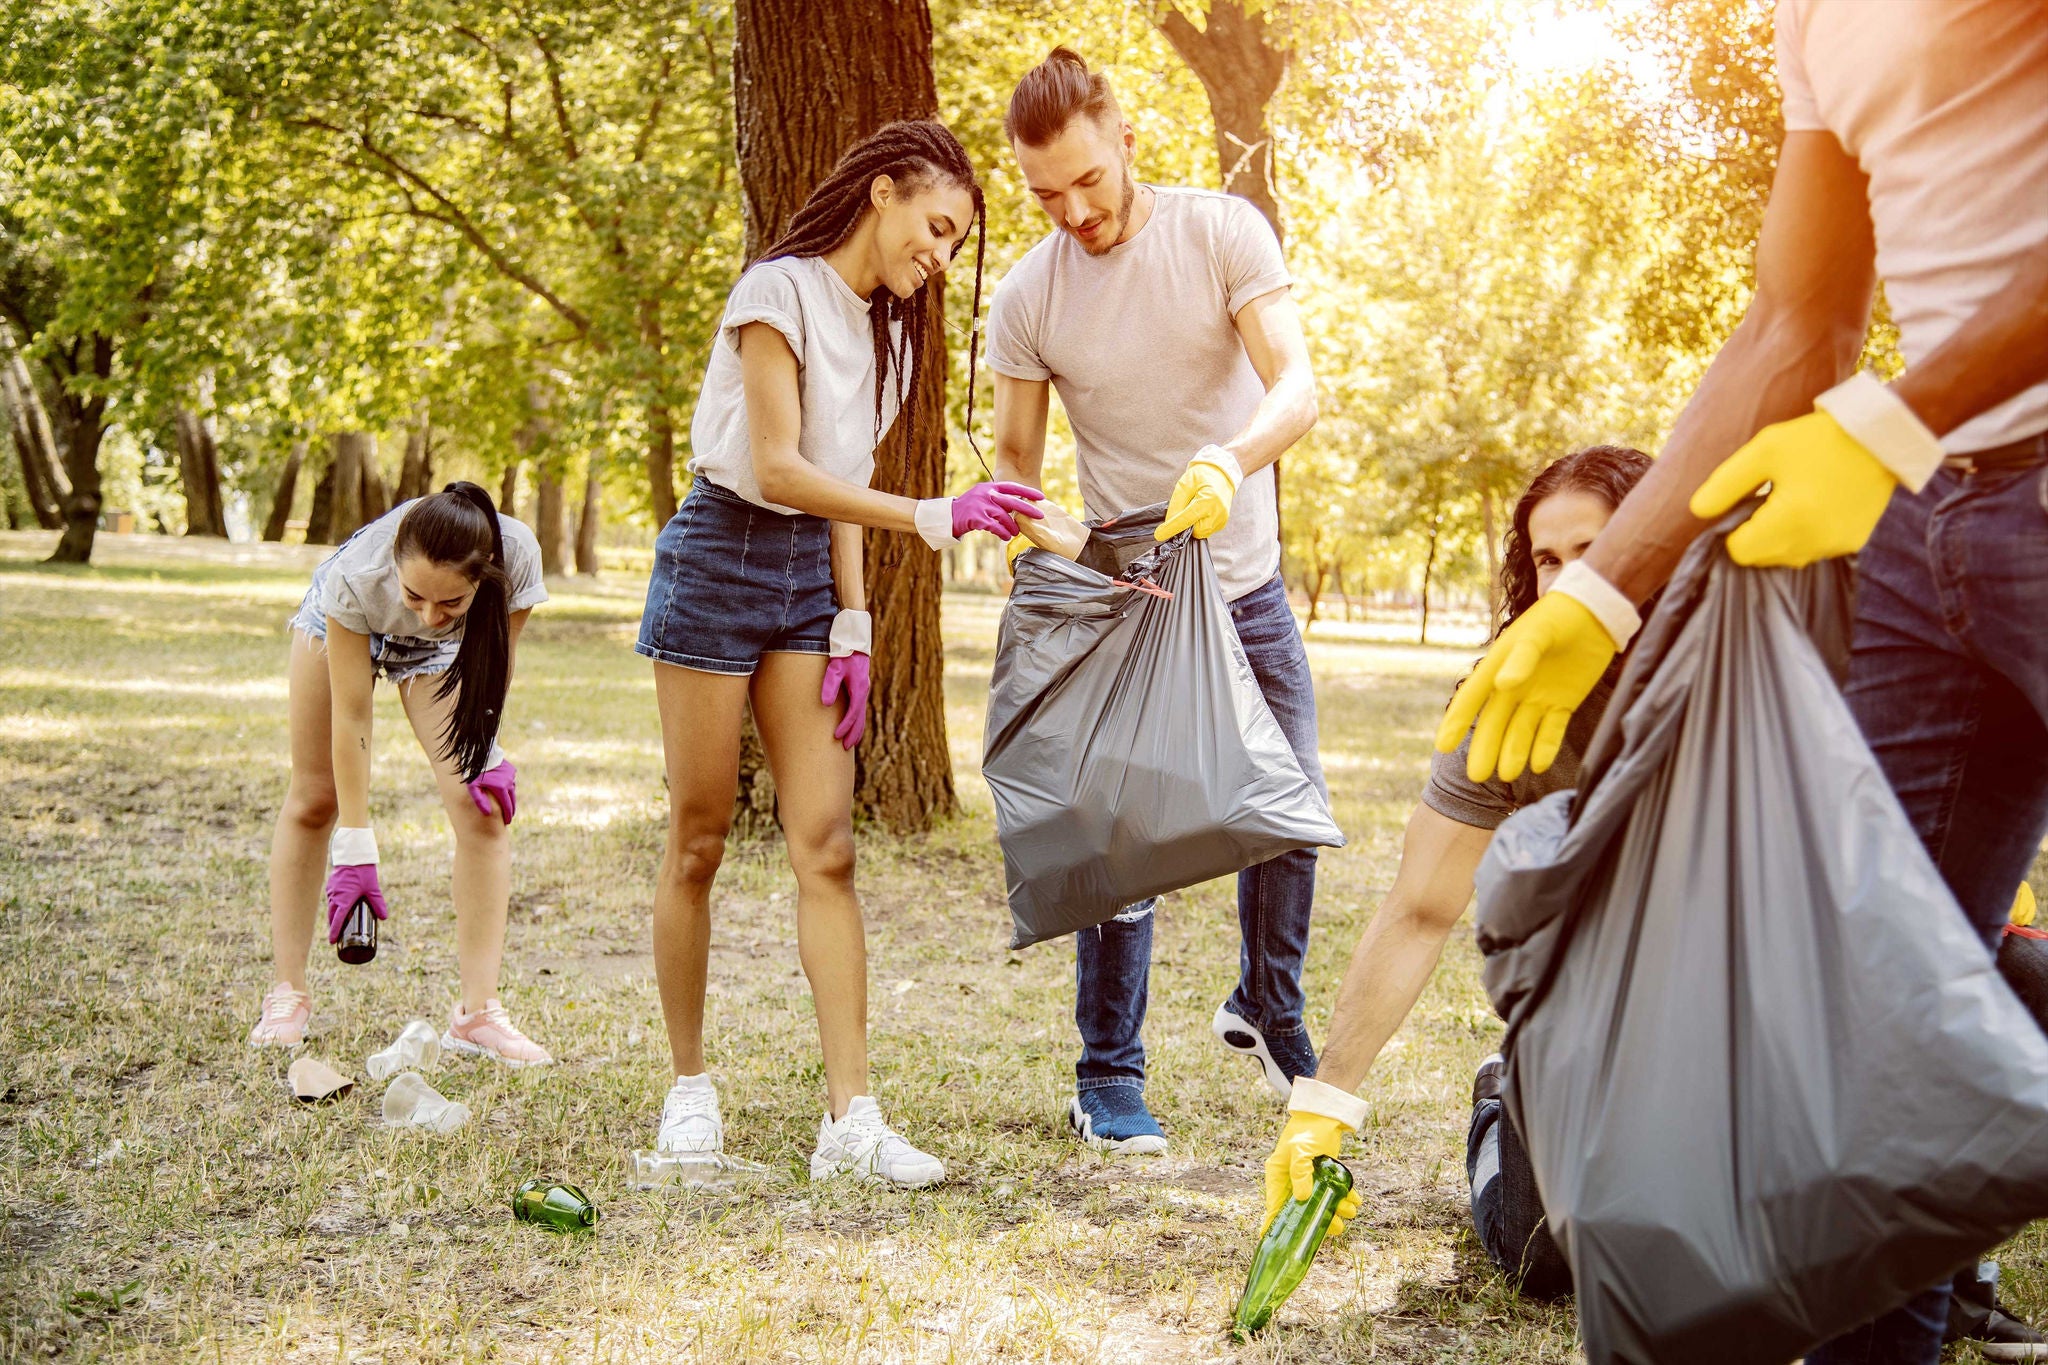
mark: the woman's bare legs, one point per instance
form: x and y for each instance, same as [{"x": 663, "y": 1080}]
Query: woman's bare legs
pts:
[
  {"x": 814, "y": 792},
  {"x": 700, "y": 743},
  {"x": 298, "y": 845}
]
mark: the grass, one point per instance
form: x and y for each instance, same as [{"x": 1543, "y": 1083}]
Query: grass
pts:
[{"x": 165, "y": 1198}]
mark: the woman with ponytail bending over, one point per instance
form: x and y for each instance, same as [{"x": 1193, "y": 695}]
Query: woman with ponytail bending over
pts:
[
  {"x": 758, "y": 597},
  {"x": 431, "y": 597}
]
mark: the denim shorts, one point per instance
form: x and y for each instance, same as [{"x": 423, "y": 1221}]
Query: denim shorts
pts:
[
  {"x": 733, "y": 581},
  {"x": 398, "y": 658}
]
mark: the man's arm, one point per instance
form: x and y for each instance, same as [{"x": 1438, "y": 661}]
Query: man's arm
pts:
[
  {"x": 2000, "y": 351},
  {"x": 1270, "y": 328},
  {"x": 1022, "y": 407},
  {"x": 1800, "y": 336}
]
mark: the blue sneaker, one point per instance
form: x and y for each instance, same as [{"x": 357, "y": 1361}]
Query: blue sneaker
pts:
[
  {"x": 1281, "y": 1057},
  {"x": 1113, "y": 1118}
]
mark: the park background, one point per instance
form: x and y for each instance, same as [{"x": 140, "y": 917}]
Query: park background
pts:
[{"x": 266, "y": 269}]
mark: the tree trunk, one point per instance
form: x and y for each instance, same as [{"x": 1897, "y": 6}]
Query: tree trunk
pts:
[
  {"x": 1312, "y": 582},
  {"x": 287, "y": 489},
  {"x": 1428, "y": 568},
  {"x": 508, "y": 491},
  {"x": 376, "y": 497},
  {"x": 42, "y": 474},
  {"x": 587, "y": 524},
  {"x": 549, "y": 523},
  {"x": 346, "y": 509},
  {"x": 799, "y": 104},
  {"x": 416, "y": 476},
  {"x": 1240, "y": 60},
  {"x": 84, "y": 420},
  {"x": 1343, "y": 593},
  {"x": 199, "y": 471},
  {"x": 320, "y": 520},
  {"x": 661, "y": 463}
]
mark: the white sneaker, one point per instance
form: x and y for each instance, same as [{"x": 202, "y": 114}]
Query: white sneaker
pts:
[
  {"x": 690, "y": 1125},
  {"x": 862, "y": 1145}
]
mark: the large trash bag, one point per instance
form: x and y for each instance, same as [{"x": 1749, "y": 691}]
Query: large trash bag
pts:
[
  {"x": 1128, "y": 746},
  {"x": 1770, "y": 1080}
]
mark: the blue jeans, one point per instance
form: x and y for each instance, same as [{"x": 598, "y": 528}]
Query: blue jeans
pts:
[
  {"x": 1113, "y": 961},
  {"x": 1949, "y": 681}
]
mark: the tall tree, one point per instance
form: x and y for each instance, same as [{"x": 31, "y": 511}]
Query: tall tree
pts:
[
  {"x": 287, "y": 488},
  {"x": 1241, "y": 58},
  {"x": 199, "y": 471},
  {"x": 876, "y": 60}
]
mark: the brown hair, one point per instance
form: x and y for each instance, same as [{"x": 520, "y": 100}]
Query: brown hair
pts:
[
  {"x": 1607, "y": 472},
  {"x": 914, "y": 153},
  {"x": 458, "y": 529},
  {"x": 1053, "y": 94}
]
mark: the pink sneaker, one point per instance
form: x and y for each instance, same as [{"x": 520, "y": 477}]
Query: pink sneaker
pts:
[
  {"x": 285, "y": 1014},
  {"x": 489, "y": 1033}
]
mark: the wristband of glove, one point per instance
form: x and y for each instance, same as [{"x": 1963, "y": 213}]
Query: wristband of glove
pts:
[
  {"x": 1610, "y": 606},
  {"x": 1879, "y": 420},
  {"x": 353, "y": 848},
  {"x": 934, "y": 518},
  {"x": 1311, "y": 1096},
  {"x": 1216, "y": 457},
  {"x": 853, "y": 632}
]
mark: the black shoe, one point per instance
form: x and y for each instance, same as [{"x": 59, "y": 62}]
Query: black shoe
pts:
[
  {"x": 1486, "y": 1085},
  {"x": 2006, "y": 1338}
]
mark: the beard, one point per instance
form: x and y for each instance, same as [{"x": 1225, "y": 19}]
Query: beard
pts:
[{"x": 1105, "y": 242}]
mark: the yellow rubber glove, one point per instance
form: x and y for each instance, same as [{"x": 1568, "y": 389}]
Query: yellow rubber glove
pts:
[
  {"x": 1310, "y": 1133},
  {"x": 1017, "y": 546},
  {"x": 1827, "y": 493},
  {"x": 2023, "y": 908},
  {"x": 1201, "y": 497},
  {"x": 1529, "y": 684}
]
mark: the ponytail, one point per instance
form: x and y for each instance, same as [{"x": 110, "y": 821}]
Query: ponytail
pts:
[{"x": 458, "y": 527}]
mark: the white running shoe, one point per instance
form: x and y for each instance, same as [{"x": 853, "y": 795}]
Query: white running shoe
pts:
[
  {"x": 690, "y": 1125},
  {"x": 862, "y": 1145}
]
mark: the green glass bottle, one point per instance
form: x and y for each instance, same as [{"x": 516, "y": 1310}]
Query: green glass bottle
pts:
[
  {"x": 553, "y": 1204},
  {"x": 1289, "y": 1246}
]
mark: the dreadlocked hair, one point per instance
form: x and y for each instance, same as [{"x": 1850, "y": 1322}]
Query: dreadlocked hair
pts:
[
  {"x": 914, "y": 153},
  {"x": 458, "y": 529}
]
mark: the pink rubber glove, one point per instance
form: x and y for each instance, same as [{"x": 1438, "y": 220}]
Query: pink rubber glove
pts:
[
  {"x": 849, "y": 674},
  {"x": 346, "y": 886},
  {"x": 497, "y": 784},
  {"x": 995, "y": 507}
]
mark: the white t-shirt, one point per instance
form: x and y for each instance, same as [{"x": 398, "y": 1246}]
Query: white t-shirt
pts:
[
  {"x": 360, "y": 589},
  {"x": 828, "y": 327},
  {"x": 1142, "y": 344},
  {"x": 1944, "y": 104}
]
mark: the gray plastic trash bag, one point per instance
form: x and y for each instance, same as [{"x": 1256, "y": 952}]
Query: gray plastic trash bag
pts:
[
  {"x": 1768, "y": 1076},
  {"x": 1128, "y": 747}
]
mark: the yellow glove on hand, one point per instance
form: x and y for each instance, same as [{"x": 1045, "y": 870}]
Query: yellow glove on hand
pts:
[
  {"x": 1201, "y": 497},
  {"x": 1290, "y": 1171},
  {"x": 1530, "y": 682},
  {"x": 1831, "y": 473},
  {"x": 1017, "y": 546},
  {"x": 2022, "y": 912},
  {"x": 1827, "y": 493}
]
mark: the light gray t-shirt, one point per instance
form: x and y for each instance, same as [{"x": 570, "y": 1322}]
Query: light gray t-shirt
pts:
[
  {"x": 1141, "y": 344},
  {"x": 1486, "y": 805},
  {"x": 360, "y": 587},
  {"x": 828, "y": 327}
]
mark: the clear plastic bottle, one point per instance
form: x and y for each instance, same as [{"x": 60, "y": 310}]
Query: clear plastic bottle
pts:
[
  {"x": 1289, "y": 1246},
  {"x": 688, "y": 1170},
  {"x": 416, "y": 1048},
  {"x": 1059, "y": 530},
  {"x": 409, "y": 1102}
]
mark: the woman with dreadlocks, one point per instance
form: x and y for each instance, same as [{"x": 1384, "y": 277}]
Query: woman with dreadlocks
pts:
[{"x": 758, "y": 598}]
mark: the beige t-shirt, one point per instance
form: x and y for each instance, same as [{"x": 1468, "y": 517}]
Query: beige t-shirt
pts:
[
  {"x": 1944, "y": 104},
  {"x": 829, "y": 328},
  {"x": 1141, "y": 344}
]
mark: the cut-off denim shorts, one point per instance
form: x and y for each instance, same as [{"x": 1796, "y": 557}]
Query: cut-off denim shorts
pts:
[
  {"x": 396, "y": 658},
  {"x": 733, "y": 581}
]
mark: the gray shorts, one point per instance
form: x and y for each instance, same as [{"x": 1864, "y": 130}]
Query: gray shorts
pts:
[{"x": 398, "y": 658}]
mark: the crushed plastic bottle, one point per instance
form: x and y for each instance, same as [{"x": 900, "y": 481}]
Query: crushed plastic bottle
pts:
[
  {"x": 552, "y": 1204},
  {"x": 409, "y": 1102},
  {"x": 1289, "y": 1246},
  {"x": 1059, "y": 530},
  {"x": 417, "y": 1048},
  {"x": 687, "y": 1170}
]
